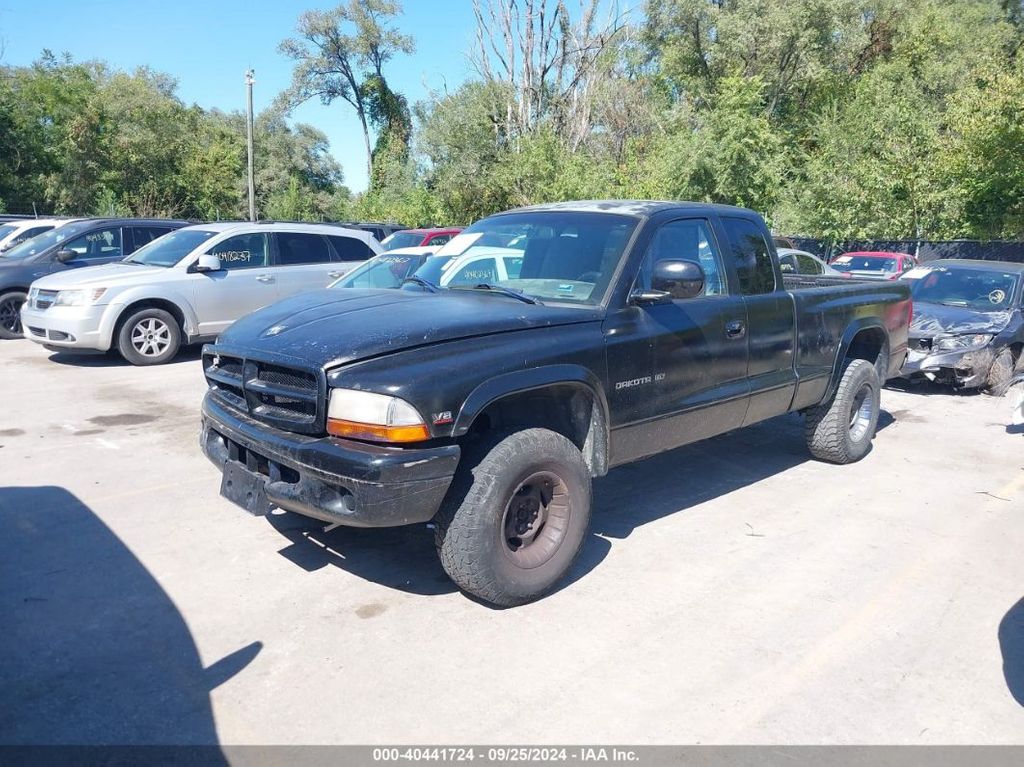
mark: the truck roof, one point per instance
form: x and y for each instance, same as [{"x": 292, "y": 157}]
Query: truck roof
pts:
[{"x": 633, "y": 207}]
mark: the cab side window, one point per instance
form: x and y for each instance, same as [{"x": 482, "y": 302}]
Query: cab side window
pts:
[
  {"x": 97, "y": 245},
  {"x": 243, "y": 251},
  {"x": 686, "y": 240},
  {"x": 751, "y": 255}
]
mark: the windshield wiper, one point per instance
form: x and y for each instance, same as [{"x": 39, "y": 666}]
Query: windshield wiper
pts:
[
  {"x": 422, "y": 283},
  {"x": 497, "y": 289}
]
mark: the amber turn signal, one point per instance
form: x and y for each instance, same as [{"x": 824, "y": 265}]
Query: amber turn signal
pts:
[{"x": 376, "y": 432}]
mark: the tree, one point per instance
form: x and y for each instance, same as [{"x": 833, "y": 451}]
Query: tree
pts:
[
  {"x": 332, "y": 63},
  {"x": 546, "y": 60}
]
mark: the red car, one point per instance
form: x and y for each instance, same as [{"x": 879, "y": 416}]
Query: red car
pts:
[
  {"x": 878, "y": 264},
  {"x": 416, "y": 238}
]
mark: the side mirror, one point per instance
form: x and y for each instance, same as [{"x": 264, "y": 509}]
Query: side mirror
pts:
[
  {"x": 679, "y": 279},
  {"x": 208, "y": 263},
  {"x": 65, "y": 255}
]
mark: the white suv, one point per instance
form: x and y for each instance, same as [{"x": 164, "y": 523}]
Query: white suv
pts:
[{"x": 187, "y": 286}]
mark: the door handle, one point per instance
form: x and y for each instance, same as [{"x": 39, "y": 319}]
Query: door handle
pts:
[
  {"x": 334, "y": 275},
  {"x": 735, "y": 329},
  {"x": 264, "y": 278}
]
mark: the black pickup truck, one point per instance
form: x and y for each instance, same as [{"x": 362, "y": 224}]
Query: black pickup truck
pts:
[{"x": 561, "y": 341}]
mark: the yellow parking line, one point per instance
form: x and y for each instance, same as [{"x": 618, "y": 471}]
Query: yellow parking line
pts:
[{"x": 1012, "y": 487}]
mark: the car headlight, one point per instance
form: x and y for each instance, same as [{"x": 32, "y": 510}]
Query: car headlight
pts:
[
  {"x": 78, "y": 297},
  {"x": 377, "y": 417},
  {"x": 954, "y": 343}
]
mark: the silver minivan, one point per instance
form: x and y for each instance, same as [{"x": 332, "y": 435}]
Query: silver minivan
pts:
[{"x": 187, "y": 286}]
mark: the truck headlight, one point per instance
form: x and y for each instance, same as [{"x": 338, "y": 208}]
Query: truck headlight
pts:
[
  {"x": 954, "y": 343},
  {"x": 377, "y": 417},
  {"x": 78, "y": 297}
]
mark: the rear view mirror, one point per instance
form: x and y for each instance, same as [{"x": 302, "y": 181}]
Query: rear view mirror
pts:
[
  {"x": 208, "y": 263},
  {"x": 65, "y": 255},
  {"x": 679, "y": 279}
]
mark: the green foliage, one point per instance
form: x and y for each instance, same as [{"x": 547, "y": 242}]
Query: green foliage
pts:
[
  {"x": 835, "y": 118},
  {"x": 84, "y": 140}
]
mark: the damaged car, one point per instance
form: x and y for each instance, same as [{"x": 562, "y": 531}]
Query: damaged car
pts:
[{"x": 966, "y": 330}]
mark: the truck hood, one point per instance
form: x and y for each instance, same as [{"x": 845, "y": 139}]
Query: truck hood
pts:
[
  {"x": 333, "y": 327},
  {"x": 105, "y": 276},
  {"x": 931, "y": 319}
]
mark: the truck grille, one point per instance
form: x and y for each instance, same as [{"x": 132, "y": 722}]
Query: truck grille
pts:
[
  {"x": 44, "y": 299},
  {"x": 287, "y": 398}
]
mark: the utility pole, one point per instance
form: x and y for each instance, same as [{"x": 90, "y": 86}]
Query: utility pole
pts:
[{"x": 249, "y": 80}]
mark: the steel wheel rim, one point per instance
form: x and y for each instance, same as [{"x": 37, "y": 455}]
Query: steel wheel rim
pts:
[
  {"x": 151, "y": 337},
  {"x": 536, "y": 519},
  {"x": 10, "y": 314},
  {"x": 860, "y": 413}
]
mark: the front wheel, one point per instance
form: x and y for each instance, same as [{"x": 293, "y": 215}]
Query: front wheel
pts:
[
  {"x": 1000, "y": 374},
  {"x": 516, "y": 516},
  {"x": 840, "y": 431},
  {"x": 10, "y": 314},
  {"x": 149, "y": 337}
]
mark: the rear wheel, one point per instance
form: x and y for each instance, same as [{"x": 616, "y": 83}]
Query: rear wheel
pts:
[
  {"x": 10, "y": 314},
  {"x": 149, "y": 337},
  {"x": 840, "y": 431},
  {"x": 516, "y": 516}
]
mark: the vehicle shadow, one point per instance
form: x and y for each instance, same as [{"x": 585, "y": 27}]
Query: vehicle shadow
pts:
[
  {"x": 187, "y": 355},
  {"x": 927, "y": 388},
  {"x": 1011, "y": 644},
  {"x": 403, "y": 558},
  {"x": 94, "y": 652}
]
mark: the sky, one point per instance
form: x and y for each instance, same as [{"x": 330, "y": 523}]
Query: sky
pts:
[{"x": 207, "y": 47}]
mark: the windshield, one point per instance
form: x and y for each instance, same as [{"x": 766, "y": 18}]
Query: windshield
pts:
[
  {"x": 553, "y": 255},
  {"x": 864, "y": 264},
  {"x": 402, "y": 240},
  {"x": 978, "y": 289},
  {"x": 47, "y": 240},
  {"x": 381, "y": 272},
  {"x": 169, "y": 249},
  {"x": 7, "y": 229}
]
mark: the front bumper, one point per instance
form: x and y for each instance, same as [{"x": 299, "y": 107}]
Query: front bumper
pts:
[
  {"x": 72, "y": 327},
  {"x": 961, "y": 368},
  {"x": 334, "y": 480}
]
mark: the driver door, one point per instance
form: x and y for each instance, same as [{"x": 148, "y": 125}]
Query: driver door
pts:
[
  {"x": 246, "y": 282},
  {"x": 679, "y": 367}
]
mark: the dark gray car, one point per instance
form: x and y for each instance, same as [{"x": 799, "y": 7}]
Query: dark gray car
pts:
[{"x": 87, "y": 242}]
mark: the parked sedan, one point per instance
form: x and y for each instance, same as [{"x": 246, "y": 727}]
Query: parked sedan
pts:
[
  {"x": 387, "y": 270},
  {"x": 16, "y": 232},
  {"x": 967, "y": 330},
  {"x": 413, "y": 238},
  {"x": 188, "y": 286},
  {"x": 792, "y": 261},
  {"x": 88, "y": 242},
  {"x": 873, "y": 264}
]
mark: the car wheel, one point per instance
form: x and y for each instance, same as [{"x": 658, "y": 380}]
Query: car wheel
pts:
[
  {"x": 840, "y": 431},
  {"x": 1000, "y": 374},
  {"x": 149, "y": 337},
  {"x": 516, "y": 516},
  {"x": 10, "y": 314}
]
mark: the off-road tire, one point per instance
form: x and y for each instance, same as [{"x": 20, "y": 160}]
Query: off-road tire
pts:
[
  {"x": 840, "y": 431},
  {"x": 494, "y": 476},
  {"x": 169, "y": 330},
  {"x": 13, "y": 299},
  {"x": 1000, "y": 374}
]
